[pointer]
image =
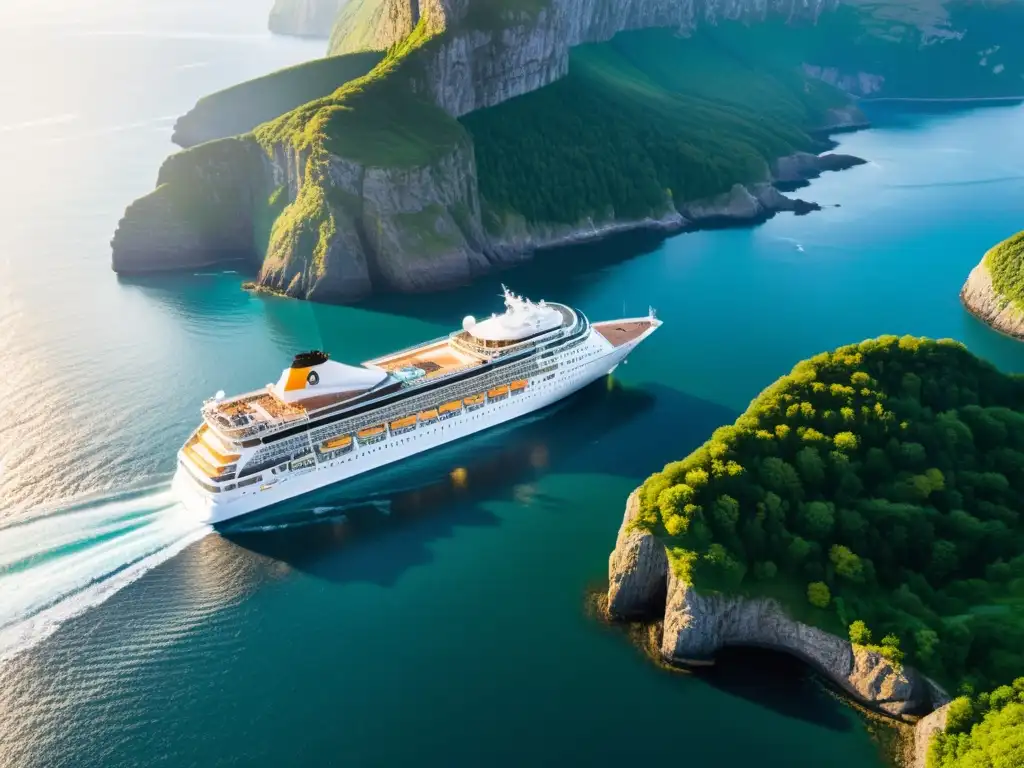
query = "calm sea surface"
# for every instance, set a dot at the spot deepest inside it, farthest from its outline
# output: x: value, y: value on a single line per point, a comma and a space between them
x: 423, y: 615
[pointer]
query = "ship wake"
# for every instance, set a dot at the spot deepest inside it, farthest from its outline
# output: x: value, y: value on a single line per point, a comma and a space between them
x: 58, y: 565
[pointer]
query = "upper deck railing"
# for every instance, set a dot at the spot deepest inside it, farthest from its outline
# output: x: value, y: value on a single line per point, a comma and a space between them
x: 465, y: 342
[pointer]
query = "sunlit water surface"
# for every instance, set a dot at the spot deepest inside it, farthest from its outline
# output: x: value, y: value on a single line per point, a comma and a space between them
x: 436, y: 612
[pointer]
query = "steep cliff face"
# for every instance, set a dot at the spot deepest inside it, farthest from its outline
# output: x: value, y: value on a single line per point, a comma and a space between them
x: 362, y: 228
x: 304, y: 18
x: 695, y: 626
x: 983, y: 301
x: 202, y: 212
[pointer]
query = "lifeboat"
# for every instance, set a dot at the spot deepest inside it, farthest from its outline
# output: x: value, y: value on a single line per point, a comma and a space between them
x: 497, y: 392
x: 428, y: 416
x: 336, y: 444
x: 518, y: 386
x: 371, y: 434
x: 474, y: 401
x: 450, y: 410
x: 403, y: 425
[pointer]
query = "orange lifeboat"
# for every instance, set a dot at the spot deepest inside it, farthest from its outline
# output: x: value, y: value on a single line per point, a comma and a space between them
x: 497, y: 392
x: 371, y: 434
x: 455, y: 405
x: 428, y: 416
x: 336, y: 443
x: 403, y: 423
x: 518, y: 386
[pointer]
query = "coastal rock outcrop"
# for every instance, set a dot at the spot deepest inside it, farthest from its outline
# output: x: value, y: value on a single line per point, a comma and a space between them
x: 637, y: 569
x: 793, y: 171
x: 983, y: 301
x: 304, y: 18
x: 743, y: 205
x: 695, y: 626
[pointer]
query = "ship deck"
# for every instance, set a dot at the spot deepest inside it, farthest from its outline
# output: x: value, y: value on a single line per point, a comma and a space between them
x: 434, y: 359
x: 619, y: 332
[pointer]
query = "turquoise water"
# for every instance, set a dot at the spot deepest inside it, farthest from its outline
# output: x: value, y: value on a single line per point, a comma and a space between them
x: 413, y: 617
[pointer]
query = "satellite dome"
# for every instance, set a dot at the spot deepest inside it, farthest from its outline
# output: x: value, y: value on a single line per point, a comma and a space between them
x: 468, y: 322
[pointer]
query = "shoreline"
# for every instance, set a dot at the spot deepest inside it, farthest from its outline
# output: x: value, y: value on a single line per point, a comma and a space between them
x: 937, y: 100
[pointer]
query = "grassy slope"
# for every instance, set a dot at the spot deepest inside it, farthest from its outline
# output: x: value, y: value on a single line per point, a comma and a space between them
x: 376, y: 120
x: 242, y: 107
x: 642, y: 114
x: 880, y: 448
x: 1005, y: 262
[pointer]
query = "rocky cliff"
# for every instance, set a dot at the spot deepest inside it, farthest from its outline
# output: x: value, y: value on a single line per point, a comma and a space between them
x: 398, y: 229
x: 304, y: 18
x: 374, y: 187
x: 489, y: 56
x: 982, y: 300
x: 695, y: 626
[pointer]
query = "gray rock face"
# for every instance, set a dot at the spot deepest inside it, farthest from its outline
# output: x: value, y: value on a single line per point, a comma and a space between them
x: 924, y: 732
x: 304, y: 18
x: 637, y: 570
x: 982, y: 300
x: 696, y: 626
x: 403, y: 230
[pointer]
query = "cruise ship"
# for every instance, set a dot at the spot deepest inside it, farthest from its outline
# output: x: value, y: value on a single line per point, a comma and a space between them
x: 323, y: 421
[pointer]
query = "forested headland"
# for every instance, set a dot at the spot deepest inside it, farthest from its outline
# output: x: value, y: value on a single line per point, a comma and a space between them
x: 1005, y: 263
x: 875, y: 492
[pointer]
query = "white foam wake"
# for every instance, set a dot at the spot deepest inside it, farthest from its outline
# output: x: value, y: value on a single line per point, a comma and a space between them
x: 57, y: 566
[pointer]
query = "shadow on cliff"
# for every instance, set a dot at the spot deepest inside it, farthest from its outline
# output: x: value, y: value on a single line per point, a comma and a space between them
x: 377, y: 527
x: 775, y: 681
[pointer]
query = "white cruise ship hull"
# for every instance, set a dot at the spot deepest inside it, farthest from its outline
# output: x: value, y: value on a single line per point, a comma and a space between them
x: 541, y: 392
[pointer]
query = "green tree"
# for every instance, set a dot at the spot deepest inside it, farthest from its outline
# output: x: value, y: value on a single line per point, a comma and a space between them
x: 859, y: 633
x: 818, y: 594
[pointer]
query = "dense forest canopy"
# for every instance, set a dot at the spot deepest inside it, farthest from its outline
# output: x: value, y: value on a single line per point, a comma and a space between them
x: 874, y: 490
x: 1005, y: 262
x: 644, y: 119
x: 983, y: 731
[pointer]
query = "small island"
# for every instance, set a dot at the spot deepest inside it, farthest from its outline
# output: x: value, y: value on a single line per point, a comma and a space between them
x: 994, y: 291
x: 863, y: 514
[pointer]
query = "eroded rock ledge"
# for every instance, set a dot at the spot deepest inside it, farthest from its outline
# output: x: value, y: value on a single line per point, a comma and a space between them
x: 982, y: 300
x: 695, y: 627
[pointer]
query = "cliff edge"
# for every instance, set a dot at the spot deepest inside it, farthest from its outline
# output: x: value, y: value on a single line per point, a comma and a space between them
x: 696, y: 626
x: 992, y: 290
